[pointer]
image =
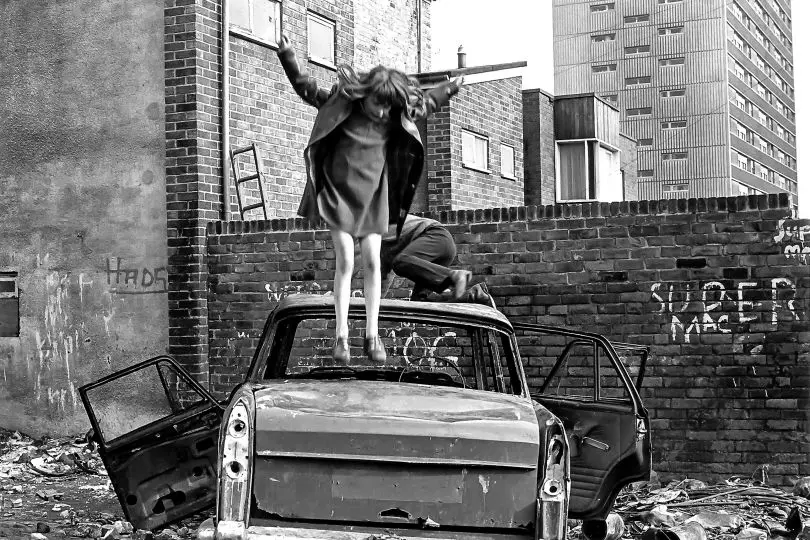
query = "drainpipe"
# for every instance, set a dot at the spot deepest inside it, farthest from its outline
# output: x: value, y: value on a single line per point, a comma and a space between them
x: 419, y: 36
x: 226, y: 115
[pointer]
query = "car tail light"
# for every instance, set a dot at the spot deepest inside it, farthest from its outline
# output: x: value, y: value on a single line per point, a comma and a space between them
x: 555, y: 487
x: 235, y: 475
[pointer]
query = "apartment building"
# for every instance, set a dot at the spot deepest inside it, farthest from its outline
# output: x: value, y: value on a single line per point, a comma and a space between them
x: 705, y: 86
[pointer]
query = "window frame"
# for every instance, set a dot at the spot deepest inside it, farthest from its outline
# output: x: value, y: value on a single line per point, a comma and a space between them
x: 317, y: 18
x: 589, y: 164
x: 634, y: 50
x: 667, y: 93
x: 603, y: 38
x: 609, y: 68
x: 637, y: 81
x: 635, y: 19
x: 668, y: 30
x: 513, y: 176
x: 248, y: 33
x: 477, y: 137
x: 11, y: 297
x: 637, y: 112
x: 668, y: 62
x: 674, y: 156
x: 608, y: 6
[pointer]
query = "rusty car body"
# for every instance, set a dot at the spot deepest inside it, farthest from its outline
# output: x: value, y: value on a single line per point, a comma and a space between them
x: 449, y: 438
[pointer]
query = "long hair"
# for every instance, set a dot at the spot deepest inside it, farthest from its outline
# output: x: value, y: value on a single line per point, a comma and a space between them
x: 389, y: 86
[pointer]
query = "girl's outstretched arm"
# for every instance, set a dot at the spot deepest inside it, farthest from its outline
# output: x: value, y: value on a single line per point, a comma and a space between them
x: 302, y: 82
x: 436, y: 98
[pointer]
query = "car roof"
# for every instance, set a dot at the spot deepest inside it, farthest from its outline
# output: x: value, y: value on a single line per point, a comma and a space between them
x: 320, y: 304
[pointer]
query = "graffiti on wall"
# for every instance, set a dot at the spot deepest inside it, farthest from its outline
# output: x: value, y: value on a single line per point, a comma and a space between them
x: 721, y: 307
x: 276, y: 292
x: 794, y: 241
x: 135, y: 279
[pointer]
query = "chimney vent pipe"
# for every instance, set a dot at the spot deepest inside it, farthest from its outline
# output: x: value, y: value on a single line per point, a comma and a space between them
x: 462, y: 57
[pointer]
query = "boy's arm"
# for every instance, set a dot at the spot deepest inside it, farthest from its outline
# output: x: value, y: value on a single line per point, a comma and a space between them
x: 302, y: 82
x: 436, y: 98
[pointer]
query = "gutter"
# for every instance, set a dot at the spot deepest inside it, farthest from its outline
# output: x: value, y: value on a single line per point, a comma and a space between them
x: 225, y: 130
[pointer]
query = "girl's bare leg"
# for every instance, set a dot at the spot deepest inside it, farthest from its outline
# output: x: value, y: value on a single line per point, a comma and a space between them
x: 344, y: 266
x: 370, y: 250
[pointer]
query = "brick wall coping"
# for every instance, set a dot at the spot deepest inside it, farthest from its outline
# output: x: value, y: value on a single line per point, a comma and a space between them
x: 741, y: 203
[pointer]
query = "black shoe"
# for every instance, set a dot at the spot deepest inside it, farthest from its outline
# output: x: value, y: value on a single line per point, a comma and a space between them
x: 340, y: 351
x: 375, y: 350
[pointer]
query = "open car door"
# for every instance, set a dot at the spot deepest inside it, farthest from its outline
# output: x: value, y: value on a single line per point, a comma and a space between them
x: 157, y: 431
x: 579, y: 377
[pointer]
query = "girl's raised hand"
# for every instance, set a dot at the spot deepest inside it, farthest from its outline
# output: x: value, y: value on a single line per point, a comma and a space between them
x: 459, y: 81
x: 283, y: 42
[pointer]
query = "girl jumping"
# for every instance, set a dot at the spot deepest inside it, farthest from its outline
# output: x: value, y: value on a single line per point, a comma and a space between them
x: 363, y: 160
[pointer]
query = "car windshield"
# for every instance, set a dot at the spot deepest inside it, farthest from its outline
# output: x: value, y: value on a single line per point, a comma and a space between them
x: 444, y: 354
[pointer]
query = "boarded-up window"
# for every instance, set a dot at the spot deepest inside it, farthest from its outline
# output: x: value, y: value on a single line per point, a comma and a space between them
x: 9, y: 305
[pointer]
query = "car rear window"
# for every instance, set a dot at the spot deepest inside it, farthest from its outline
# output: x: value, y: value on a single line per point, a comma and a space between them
x: 446, y: 354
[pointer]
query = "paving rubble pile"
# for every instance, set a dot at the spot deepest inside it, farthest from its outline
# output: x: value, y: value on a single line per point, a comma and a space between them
x: 58, y: 488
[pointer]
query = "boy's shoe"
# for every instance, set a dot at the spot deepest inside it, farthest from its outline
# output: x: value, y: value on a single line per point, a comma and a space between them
x: 340, y: 351
x: 375, y: 350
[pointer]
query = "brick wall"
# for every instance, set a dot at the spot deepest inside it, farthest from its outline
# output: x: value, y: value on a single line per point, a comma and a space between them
x: 193, y: 189
x: 493, y: 109
x: 538, y: 147
x: 718, y: 288
x: 265, y: 109
x: 386, y: 33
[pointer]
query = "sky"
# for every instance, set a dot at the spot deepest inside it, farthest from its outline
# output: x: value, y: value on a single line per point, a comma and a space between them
x: 522, y: 30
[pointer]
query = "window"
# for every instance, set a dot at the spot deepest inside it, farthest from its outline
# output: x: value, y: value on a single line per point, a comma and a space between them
x: 645, y: 142
x: 673, y: 124
x: 739, y: 188
x: 587, y: 170
x: 675, y: 191
x: 644, y: 173
x: 474, y: 150
x: 670, y: 30
x: 320, y: 39
x: 597, y: 38
x: 604, y: 68
x: 676, y: 61
x: 670, y: 1
x: 507, y: 161
x: 670, y: 156
x: 9, y: 305
x: 598, y: 8
x: 637, y: 49
x: 256, y: 19
x: 636, y: 81
x: 630, y: 19
x: 639, y: 111
x: 673, y: 92
x: 611, y: 98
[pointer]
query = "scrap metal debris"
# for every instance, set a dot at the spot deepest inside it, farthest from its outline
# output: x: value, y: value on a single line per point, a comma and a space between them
x: 42, y: 483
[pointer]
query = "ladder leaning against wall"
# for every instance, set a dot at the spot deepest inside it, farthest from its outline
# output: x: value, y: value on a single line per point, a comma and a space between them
x: 239, y: 180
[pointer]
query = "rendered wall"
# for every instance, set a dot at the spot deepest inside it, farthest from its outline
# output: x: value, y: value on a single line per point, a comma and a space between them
x: 83, y: 205
x: 718, y: 288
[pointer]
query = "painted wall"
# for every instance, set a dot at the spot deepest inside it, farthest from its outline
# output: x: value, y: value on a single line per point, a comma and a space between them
x: 718, y: 288
x: 83, y: 206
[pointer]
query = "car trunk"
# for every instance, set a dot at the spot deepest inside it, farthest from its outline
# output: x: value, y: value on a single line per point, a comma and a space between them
x: 394, y: 454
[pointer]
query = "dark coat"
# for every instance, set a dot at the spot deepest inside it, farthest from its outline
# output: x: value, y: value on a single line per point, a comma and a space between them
x: 405, y: 155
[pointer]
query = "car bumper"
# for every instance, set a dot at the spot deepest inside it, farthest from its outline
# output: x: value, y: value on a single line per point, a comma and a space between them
x: 237, y: 531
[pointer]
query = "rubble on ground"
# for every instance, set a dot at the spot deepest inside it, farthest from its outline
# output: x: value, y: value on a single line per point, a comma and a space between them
x: 58, y: 488
x: 738, y: 509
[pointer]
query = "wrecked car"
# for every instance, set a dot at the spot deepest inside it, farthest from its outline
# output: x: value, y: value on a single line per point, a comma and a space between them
x: 448, y: 438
